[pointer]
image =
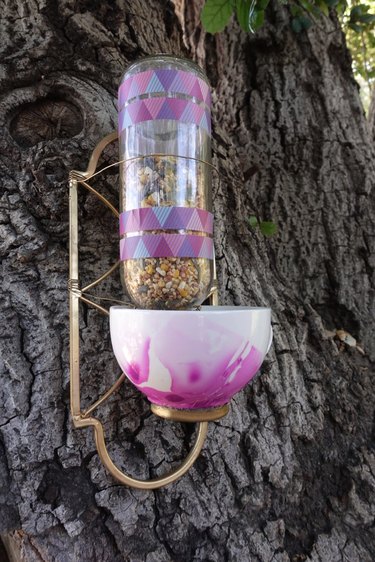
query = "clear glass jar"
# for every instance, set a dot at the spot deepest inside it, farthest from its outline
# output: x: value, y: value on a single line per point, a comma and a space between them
x: 166, y: 222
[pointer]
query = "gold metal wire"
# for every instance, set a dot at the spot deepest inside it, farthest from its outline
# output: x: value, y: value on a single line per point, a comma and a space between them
x: 102, y: 277
x: 156, y: 154
x: 99, y: 196
x: 100, y: 401
x: 84, y: 418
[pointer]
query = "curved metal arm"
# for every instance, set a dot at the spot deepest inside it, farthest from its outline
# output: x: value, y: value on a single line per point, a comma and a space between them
x: 154, y: 483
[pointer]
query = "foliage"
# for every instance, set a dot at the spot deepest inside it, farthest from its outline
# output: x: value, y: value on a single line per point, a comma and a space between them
x: 359, y: 27
x: 267, y: 228
x: 216, y: 14
x: 250, y: 13
x: 357, y: 20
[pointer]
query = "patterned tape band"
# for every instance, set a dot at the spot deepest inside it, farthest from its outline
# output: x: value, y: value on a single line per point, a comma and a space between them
x: 166, y: 246
x: 163, y: 218
x: 164, y: 80
x: 165, y: 108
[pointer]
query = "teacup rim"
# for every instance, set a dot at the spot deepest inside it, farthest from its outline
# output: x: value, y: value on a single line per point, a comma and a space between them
x: 204, y: 308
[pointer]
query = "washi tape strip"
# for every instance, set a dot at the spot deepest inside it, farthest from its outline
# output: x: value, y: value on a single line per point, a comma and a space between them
x: 164, y: 108
x: 166, y: 246
x: 164, y: 80
x: 166, y: 218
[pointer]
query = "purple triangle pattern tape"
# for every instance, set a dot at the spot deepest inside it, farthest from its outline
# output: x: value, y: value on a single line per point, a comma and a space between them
x: 164, y: 81
x: 166, y: 218
x: 175, y: 109
x: 166, y: 246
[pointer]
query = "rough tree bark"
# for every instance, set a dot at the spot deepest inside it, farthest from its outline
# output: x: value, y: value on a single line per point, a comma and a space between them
x: 371, y: 115
x: 289, y: 475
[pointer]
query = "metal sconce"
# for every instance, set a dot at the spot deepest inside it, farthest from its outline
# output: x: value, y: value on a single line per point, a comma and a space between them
x: 189, y: 360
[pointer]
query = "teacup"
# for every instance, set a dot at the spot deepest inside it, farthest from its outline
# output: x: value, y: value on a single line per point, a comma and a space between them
x: 190, y: 359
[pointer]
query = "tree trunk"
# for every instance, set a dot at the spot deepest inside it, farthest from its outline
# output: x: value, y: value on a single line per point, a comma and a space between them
x: 371, y: 115
x: 289, y: 474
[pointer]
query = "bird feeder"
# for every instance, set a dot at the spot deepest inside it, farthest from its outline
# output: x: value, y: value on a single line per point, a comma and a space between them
x: 188, y: 359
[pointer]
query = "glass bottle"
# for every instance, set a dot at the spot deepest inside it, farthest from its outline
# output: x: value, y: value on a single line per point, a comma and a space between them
x: 166, y: 219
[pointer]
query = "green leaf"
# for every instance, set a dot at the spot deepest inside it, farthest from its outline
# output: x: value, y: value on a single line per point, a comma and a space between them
x: 323, y: 7
x: 253, y: 221
x: 358, y: 11
x: 305, y: 22
x: 311, y: 8
x: 257, y: 20
x: 364, y: 8
x: 355, y: 27
x: 268, y: 228
x: 262, y: 4
x: 216, y: 14
x: 367, y: 18
x: 317, y: 12
x: 296, y: 25
x: 250, y: 13
x: 242, y: 12
x: 308, y: 7
x: 295, y: 10
x: 340, y: 6
x: 332, y: 3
